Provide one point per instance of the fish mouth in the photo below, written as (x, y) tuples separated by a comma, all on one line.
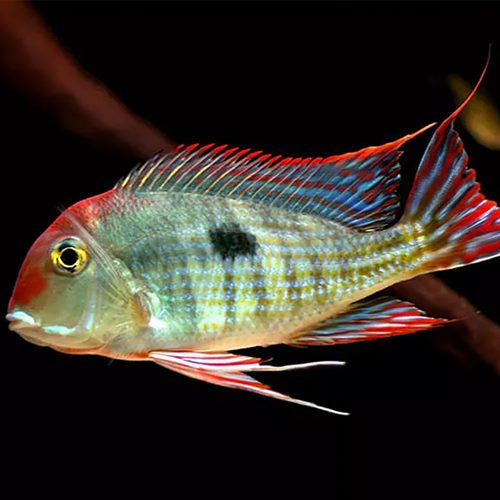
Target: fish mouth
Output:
[(19, 320), (25, 325)]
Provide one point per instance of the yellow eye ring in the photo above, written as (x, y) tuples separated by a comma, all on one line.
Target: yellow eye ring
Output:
[(69, 256)]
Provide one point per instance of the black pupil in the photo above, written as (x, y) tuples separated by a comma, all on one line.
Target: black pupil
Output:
[(69, 257)]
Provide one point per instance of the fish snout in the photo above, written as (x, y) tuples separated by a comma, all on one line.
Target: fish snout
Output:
[(19, 320)]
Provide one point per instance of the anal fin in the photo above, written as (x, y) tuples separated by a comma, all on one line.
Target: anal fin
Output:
[(228, 370), (365, 320), (368, 320)]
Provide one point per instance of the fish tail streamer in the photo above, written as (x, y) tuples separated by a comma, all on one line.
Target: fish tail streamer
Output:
[(446, 207)]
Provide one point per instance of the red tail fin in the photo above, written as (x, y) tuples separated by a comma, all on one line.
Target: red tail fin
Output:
[(459, 224)]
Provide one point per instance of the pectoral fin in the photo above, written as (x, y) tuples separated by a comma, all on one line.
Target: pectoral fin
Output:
[(228, 370)]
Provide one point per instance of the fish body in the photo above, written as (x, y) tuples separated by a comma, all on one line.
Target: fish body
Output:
[(210, 249), (227, 274)]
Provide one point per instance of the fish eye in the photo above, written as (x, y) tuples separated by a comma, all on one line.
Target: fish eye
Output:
[(69, 256)]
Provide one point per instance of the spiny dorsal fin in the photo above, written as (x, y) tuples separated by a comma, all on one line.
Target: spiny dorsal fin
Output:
[(356, 189)]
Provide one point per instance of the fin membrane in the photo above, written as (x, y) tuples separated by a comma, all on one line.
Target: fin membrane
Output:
[(356, 189), (369, 320), (365, 320), (228, 370), (459, 224)]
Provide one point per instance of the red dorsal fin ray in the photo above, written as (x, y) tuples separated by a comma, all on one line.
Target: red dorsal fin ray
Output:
[(355, 189)]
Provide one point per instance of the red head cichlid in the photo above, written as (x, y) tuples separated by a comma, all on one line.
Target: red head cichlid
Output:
[(210, 249)]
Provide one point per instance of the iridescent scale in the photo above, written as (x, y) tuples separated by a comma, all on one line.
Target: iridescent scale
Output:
[(298, 269), (245, 246)]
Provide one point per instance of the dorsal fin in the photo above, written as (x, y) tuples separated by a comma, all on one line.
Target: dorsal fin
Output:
[(356, 189)]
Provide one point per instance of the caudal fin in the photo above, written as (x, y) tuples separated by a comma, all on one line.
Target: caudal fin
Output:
[(459, 224)]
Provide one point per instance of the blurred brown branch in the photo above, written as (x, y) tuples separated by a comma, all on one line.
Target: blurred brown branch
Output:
[(473, 333), (33, 60), (481, 117)]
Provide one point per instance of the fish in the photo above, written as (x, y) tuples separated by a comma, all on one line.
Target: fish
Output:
[(481, 118), (209, 249)]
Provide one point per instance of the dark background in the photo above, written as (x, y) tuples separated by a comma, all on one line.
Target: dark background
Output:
[(296, 79)]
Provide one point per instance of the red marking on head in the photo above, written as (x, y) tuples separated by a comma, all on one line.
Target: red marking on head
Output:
[(91, 211), (31, 282)]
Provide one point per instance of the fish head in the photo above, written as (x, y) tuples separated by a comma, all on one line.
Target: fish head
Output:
[(67, 295)]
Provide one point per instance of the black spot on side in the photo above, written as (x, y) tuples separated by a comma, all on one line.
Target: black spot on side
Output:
[(229, 241)]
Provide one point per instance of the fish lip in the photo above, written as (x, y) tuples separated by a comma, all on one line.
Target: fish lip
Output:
[(21, 320), (25, 326), (32, 331)]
